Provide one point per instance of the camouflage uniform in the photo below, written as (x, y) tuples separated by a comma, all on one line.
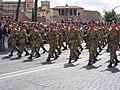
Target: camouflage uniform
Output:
[(22, 42), (42, 32), (73, 44), (113, 44), (64, 32), (35, 39), (92, 41), (52, 36), (12, 40)]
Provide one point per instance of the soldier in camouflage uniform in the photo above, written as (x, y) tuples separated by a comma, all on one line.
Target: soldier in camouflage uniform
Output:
[(73, 44), (52, 36), (42, 32), (22, 35), (12, 40), (113, 44), (64, 32), (35, 39), (92, 41)]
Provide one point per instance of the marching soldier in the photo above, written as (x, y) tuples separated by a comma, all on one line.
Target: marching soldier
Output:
[(92, 41), (42, 32), (52, 38), (73, 44), (35, 39), (113, 44), (12, 40), (22, 35)]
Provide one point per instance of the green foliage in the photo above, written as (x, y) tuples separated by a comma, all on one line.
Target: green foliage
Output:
[(110, 16)]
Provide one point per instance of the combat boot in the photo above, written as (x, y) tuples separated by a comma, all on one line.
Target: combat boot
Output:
[(11, 54), (69, 60), (110, 65), (30, 57), (48, 59), (89, 63), (56, 56), (76, 58), (43, 49), (27, 53), (116, 63), (100, 49), (19, 56), (18, 52), (81, 48), (94, 60), (38, 55)]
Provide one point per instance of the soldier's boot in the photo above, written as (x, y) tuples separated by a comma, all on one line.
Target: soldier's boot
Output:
[(11, 54), (89, 63), (100, 49), (69, 60), (30, 58), (110, 65), (18, 52), (79, 53), (97, 53), (20, 55), (94, 60), (44, 50), (81, 48), (56, 56), (48, 59), (107, 50), (27, 53), (76, 58), (59, 52), (38, 55), (104, 45)]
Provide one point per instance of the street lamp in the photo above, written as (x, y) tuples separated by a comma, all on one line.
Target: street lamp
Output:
[(116, 7)]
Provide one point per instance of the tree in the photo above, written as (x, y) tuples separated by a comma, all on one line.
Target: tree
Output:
[(17, 10), (36, 1), (110, 16)]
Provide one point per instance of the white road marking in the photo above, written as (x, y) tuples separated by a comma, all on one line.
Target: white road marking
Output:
[(32, 70), (27, 71)]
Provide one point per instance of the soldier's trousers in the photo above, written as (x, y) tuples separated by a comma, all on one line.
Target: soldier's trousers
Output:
[(52, 49), (73, 49), (92, 51), (113, 49), (13, 46), (35, 47)]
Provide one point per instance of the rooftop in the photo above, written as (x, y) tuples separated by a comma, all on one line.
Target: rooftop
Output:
[(61, 7)]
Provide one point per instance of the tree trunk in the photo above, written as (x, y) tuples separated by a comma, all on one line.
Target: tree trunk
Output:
[(17, 10), (36, 1)]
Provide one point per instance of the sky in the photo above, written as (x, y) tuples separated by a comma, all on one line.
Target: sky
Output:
[(95, 5)]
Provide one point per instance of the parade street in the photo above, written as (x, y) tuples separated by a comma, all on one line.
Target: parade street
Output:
[(58, 74)]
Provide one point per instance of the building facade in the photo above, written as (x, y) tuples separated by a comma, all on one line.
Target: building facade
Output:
[(61, 12), (44, 12), (9, 8)]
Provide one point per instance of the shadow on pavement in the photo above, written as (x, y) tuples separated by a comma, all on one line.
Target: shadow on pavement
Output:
[(45, 63), (112, 70), (16, 58), (70, 65), (91, 67), (6, 57)]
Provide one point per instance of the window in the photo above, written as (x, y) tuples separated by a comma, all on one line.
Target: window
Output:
[(62, 11), (70, 11), (75, 12), (27, 5)]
